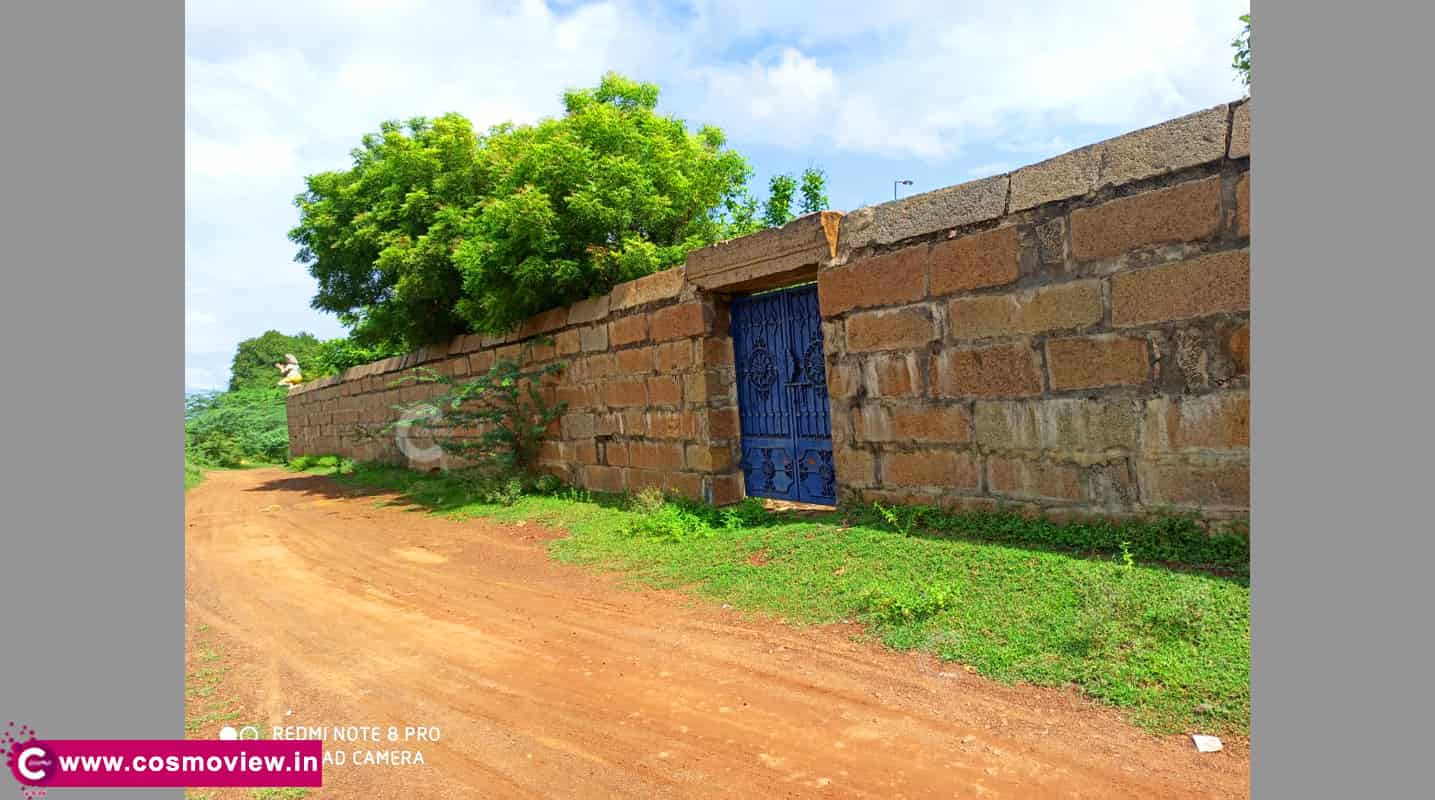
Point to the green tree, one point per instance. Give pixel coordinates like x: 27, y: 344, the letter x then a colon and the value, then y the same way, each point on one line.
x: 254, y: 359
x: 609, y: 192
x: 814, y: 190
x: 739, y: 216
x: 336, y: 355
x: 783, y: 188
x: 436, y: 230
x: 229, y: 429
x: 495, y: 422
x: 1242, y: 59
x: 379, y: 237
x: 780, y: 191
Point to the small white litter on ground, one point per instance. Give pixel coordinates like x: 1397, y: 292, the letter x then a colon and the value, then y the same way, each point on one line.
x: 1206, y: 744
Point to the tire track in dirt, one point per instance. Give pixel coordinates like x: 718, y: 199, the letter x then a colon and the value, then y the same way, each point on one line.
x: 548, y: 680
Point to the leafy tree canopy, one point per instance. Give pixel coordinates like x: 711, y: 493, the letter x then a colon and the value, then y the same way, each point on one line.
x: 227, y: 429
x: 254, y: 359
x: 336, y: 355
x: 379, y: 237
x: 437, y: 230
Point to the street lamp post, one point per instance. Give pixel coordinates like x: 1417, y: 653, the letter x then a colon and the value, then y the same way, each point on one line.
x: 895, y: 184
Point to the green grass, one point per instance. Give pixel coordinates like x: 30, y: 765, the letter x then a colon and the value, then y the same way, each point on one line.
x: 1160, y: 628
x: 202, y: 685
x: 193, y: 474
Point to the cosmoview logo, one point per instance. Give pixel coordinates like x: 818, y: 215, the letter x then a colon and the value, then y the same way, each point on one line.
x: 35, y: 762
x: 416, y: 451
x: 28, y: 758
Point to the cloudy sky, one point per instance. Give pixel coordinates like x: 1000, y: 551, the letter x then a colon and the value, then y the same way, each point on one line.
x: 935, y: 92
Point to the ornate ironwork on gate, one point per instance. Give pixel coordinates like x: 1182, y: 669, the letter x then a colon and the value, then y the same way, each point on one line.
x: 782, y: 396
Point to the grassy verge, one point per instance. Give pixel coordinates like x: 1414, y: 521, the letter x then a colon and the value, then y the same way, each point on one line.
x: 1016, y: 599
x: 193, y: 474
x: 210, y: 705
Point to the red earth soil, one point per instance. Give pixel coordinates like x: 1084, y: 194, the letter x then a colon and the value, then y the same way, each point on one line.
x: 549, y: 680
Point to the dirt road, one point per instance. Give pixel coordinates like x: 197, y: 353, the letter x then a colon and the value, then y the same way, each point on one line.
x: 546, y: 680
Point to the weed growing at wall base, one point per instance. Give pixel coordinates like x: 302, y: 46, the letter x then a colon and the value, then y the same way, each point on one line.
x: 1173, y: 540
x: 1171, y: 648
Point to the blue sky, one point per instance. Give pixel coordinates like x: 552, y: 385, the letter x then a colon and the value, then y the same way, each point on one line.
x: 939, y: 93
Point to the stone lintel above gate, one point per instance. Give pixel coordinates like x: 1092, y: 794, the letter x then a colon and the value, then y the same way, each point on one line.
x: 767, y: 259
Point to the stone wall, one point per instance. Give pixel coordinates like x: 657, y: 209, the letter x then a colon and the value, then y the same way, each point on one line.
x: 647, y: 379
x: 1072, y: 336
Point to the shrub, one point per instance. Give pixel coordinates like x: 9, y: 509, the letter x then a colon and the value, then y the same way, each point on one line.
x: 1165, y: 539
x: 335, y: 463
x: 747, y: 514
x: 228, y: 429
x: 898, y: 605
x: 670, y: 523
x: 494, y: 422
x: 333, y: 356
x: 193, y: 473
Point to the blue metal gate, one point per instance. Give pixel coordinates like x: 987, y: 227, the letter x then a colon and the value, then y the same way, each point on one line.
x: 782, y: 396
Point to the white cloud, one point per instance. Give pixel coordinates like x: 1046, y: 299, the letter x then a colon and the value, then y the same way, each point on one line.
x: 277, y: 89
x: 937, y: 82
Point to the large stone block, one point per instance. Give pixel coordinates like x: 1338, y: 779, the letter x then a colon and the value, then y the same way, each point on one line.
x: 675, y: 322
x: 656, y: 455
x: 1203, y: 483
x: 1060, y: 307
x: 591, y: 310
x: 1194, y: 139
x: 1241, y: 131
x: 707, y: 458
x: 665, y: 390
x: 989, y: 258
x: 922, y: 214
x: 602, y: 478
x: 726, y: 489
x: 890, y: 329
x: 675, y: 356
x: 945, y: 469
x: 766, y: 259
x: 593, y: 338
x: 899, y: 277
x: 1220, y: 421
x: 856, y: 468
x: 1034, y: 479
x: 635, y: 359
x: 1090, y: 362
x: 1211, y: 284
x: 1072, y: 426
x: 1186, y: 212
x: 629, y: 329
x: 890, y: 375
x: 663, y: 285
x: 1007, y: 370
x: 918, y: 422
x: 624, y: 393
